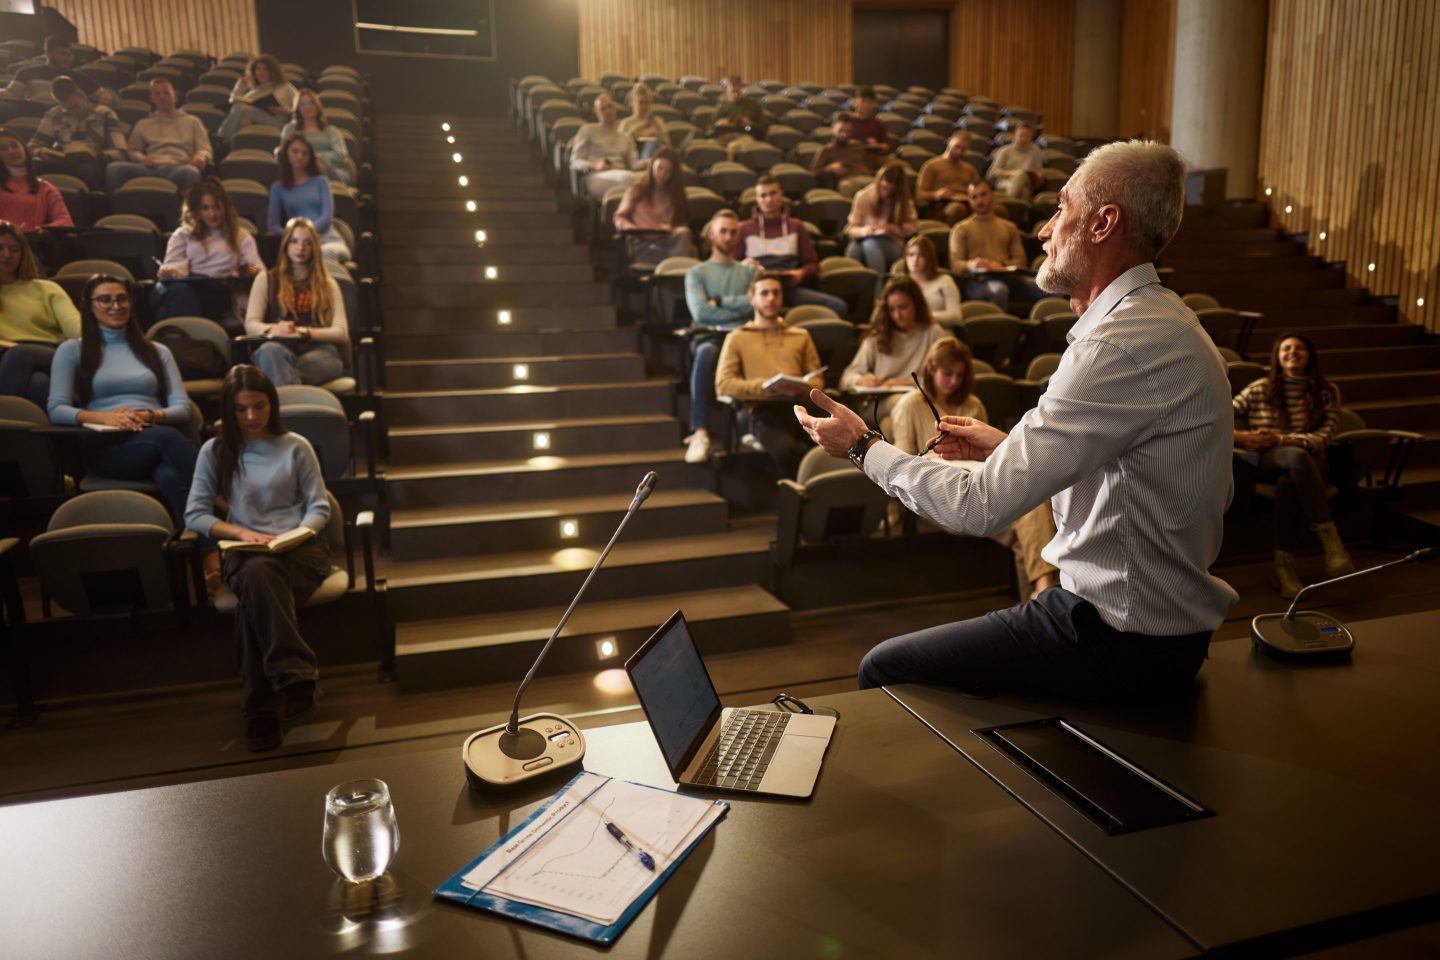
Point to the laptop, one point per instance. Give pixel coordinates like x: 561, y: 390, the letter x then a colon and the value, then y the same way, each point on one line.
x: 755, y: 751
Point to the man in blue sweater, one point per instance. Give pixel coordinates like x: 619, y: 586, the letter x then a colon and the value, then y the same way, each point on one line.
x: 715, y: 292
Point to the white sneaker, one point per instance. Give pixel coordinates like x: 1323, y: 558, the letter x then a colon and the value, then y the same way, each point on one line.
x: 698, y: 450
x: 752, y: 443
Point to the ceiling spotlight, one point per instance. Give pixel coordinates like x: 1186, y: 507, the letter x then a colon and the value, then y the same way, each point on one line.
x: 491, y: 273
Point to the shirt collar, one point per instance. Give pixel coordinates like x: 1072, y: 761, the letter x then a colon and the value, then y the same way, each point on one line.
x: 1121, y: 287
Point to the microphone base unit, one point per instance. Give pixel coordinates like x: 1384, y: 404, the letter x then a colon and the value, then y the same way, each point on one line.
x: 545, y: 746
x: 1309, y: 635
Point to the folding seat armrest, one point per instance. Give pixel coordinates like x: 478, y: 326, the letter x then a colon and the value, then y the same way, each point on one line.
x: 365, y: 523
x: 366, y: 421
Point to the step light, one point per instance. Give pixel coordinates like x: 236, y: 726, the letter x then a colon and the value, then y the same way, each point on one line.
x: 569, y: 529
x: 1289, y: 208
x: 480, y: 237
x: 1419, y: 301
x: 503, y: 318
x: 1323, y: 234
x: 470, y: 206
x: 491, y: 273
x: 541, y: 440
x: 445, y: 127
x: 606, y: 648
x: 456, y: 157
x: 449, y: 139
x: 521, y: 371
x: 1269, y: 191
x: 464, y: 180
x: 1372, y: 268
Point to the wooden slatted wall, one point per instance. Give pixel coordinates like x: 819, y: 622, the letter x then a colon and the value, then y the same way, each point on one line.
x: 1147, y: 68
x: 216, y: 27
x: 1019, y: 52
x: 790, y: 40
x: 1349, y: 139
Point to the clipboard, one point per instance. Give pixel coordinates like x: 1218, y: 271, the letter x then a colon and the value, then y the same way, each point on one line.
x: 549, y: 817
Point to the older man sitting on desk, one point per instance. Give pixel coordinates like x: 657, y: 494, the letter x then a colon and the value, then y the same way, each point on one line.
x: 1130, y: 443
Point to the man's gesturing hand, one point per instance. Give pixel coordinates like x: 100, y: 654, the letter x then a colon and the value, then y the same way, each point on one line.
x: 836, y: 433
x: 964, y: 438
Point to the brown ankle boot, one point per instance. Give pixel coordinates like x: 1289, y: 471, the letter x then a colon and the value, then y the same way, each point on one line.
x: 1337, y: 559
x: 1287, y: 581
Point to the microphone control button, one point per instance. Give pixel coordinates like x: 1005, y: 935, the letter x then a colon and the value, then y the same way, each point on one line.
x: 537, y: 764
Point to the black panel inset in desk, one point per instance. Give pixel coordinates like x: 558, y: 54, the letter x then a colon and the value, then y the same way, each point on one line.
x: 1113, y: 792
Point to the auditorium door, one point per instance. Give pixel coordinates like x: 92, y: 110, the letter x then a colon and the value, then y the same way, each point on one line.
x: 903, y: 47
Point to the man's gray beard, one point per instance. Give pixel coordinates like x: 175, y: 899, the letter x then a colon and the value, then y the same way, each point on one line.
x: 1052, y: 279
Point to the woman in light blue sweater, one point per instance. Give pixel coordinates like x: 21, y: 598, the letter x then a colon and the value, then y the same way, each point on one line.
x: 269, y: 483
x: 115, y: 381
x: 303, y: 191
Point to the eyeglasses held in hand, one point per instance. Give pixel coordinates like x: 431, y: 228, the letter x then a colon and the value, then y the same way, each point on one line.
x: 106, y: 299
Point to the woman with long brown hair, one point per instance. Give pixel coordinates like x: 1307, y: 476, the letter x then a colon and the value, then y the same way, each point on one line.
x: 326, y: 139
x: 656, y: 201
x: 114, y: 381
x: 209, y: 244
x: 1292, y: 413
x: 270, y: 482
x: 895, y: 343
x: 303, y: 191
x: 300, y: 303
x: 262, y: 95
x: 36, y: 316
x: 941, y: 293
x: 882, y: 218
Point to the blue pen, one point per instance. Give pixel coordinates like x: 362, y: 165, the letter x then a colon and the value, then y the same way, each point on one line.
x: 647, y: 861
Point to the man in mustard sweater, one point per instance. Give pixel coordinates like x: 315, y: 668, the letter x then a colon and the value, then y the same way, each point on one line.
x: 987, y: 248
x: 758, y: 351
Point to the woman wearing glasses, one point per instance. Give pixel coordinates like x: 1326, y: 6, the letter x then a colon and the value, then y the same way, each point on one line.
x: 114, y: 381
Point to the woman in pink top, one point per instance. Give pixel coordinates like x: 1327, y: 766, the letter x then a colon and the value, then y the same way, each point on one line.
x: 25, y: 200
x: 207, y: 252
x: 656, y: 201
x: 882, y: 218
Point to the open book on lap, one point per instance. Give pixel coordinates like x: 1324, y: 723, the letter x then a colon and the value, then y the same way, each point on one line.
x: 286, y: 541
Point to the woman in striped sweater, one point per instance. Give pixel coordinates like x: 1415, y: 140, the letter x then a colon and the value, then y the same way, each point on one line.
x: 1292, y: 414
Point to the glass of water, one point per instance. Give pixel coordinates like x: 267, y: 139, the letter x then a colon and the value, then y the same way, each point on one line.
x: 361, y: 835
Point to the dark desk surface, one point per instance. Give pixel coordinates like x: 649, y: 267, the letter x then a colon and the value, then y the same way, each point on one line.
x: 1324, y: 779
x: 906, y: 850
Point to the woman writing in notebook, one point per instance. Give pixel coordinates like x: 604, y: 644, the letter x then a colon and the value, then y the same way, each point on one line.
x: 270, y: 483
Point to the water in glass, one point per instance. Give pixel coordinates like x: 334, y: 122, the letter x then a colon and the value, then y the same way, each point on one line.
x: 360, y: 830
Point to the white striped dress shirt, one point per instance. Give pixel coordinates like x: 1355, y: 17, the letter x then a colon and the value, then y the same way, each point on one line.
x: 1131, y: 444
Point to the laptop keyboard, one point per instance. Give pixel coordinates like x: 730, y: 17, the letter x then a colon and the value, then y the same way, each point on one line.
x: 741, y: 756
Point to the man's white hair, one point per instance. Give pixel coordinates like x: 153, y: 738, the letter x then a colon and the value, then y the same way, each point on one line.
x: 1146, y: 180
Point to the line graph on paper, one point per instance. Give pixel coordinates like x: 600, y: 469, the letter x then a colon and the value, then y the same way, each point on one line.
x: 579, y: 868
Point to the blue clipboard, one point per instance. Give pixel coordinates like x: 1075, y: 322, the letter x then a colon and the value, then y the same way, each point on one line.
x: 455, y: 890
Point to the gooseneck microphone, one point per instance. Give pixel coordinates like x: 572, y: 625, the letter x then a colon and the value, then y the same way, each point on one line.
x: 1309, y: 633
x: 508, y: 754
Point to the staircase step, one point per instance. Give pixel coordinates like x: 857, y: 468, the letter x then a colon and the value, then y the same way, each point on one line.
x: 494, y: 295
x: 490, y: 583
x: 546, y: 274
x: 460, y: 219
x: 1375, y: 359
x: 1411, y: 413
x: 516, y: 441
x: 418, y: 533
x: 518, y: 186
x: 1218, y: 234
x: 491, y: 373
x: 528, y: 403
x: 1220, y: 284
x: 542, y: 477
x: 1208, y: 260
x: 461, y: 321
x: 1265, y: 301
x: 433, y: 654
x: 532, y: 234
x: 1235, y: 213
x: 407, y: 344
x: 1181, y: 248
x: 1333, y: 336
x: 500, y: 255
x: 1289, y: 318
x: 1387, y: 386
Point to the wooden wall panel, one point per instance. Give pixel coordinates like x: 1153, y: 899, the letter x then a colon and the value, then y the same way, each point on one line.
x: 1349, y: 139
x: 1147, y: 69
x: 216, y: 27
x: 790, y: 40
x: 1020, y: 52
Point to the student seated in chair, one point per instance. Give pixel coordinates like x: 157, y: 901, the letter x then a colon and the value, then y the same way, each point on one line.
x: 77, y: 137
x: 944, y: 183
x: 299, y: 301
x: 326, y: 139
x: 1018, y: 169
x: 114, y: 380
x: 167, y: 144
x: 270, y: 482
x: 755, y: 353
x: 606, y: 157
x: 985, y: 246
x: 771, y: 241
x: 210, y: 243
x: 882, y: 218
x: 27, y: 201
x: 36, y: 316
x: 949, y: 381
x: 303, y: 191
x: 716, y: 296
x: 896, y: 342
x: 656, y: 201
x: 261, y: 96
x: 844, y: 164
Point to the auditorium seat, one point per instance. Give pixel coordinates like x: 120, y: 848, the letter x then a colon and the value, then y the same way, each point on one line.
x: 828, y: 501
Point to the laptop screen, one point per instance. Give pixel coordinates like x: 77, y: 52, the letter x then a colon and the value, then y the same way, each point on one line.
x: 674, y: 688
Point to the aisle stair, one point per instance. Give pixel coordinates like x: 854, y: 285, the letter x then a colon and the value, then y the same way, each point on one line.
x: 516, y: 438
